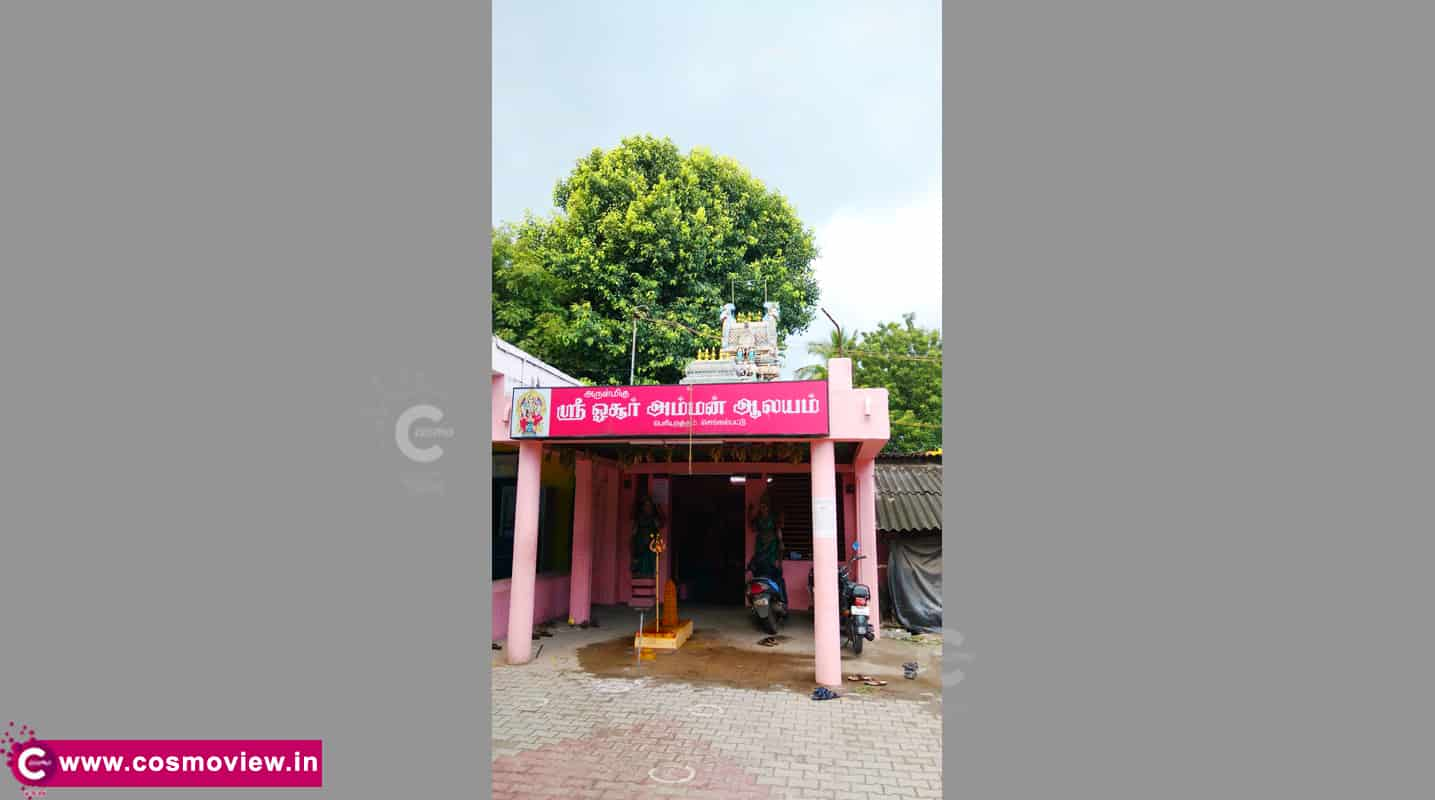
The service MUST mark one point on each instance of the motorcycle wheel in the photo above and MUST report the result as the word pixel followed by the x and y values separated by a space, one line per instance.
pixel 769 623
pixel 857 645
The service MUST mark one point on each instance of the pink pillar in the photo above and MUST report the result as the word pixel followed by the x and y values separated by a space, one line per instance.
pixel 824 561
pixel 525 553
pixel 867 534
pixel 580 577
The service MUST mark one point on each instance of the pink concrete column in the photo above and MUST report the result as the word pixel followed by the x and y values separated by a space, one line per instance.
pixel 826 634
pixel 580 576
pixel 867 534
pixel 525 553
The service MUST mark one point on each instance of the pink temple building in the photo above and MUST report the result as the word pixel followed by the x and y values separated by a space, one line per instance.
pixel 704 451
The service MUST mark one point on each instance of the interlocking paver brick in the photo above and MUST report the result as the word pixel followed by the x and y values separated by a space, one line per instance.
pixel 559 732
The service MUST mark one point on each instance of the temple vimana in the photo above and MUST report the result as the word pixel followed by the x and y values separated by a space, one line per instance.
pixel 748 353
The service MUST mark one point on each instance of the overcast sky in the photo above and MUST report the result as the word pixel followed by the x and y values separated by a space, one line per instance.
pixel 836 105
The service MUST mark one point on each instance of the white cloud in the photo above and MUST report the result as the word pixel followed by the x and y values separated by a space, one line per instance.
pixel 876 265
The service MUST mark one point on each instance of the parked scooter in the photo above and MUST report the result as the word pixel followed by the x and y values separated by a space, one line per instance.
pixel 853 605
pixel 767 601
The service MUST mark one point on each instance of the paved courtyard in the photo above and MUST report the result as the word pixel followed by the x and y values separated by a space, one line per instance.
pixel 723 718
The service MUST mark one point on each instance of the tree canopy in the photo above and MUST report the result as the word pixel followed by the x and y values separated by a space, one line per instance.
pixel 644 231
pixel 906 359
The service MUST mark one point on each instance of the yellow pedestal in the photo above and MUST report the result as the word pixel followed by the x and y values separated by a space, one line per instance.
pixel 666 637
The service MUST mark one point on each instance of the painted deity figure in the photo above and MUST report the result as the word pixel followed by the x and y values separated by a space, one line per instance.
pixel 530 412
pixel 647 526
pixel 767 544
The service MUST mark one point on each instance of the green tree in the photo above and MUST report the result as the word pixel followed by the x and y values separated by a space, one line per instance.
pixel 837 343
pixel 906 359
pixel 643 230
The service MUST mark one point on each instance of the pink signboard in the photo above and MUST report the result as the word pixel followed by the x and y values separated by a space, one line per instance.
pixel 775 408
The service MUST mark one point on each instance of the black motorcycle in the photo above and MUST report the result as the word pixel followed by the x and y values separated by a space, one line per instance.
pixel 853 604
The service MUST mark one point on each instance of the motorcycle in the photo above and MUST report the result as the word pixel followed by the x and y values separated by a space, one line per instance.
pixel 853 604
pixel 767 601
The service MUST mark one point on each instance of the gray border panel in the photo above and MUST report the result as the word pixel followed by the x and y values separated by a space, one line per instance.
pixel 1190 398
pixel 236 240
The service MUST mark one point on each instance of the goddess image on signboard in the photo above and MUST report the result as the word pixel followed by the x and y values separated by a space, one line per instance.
pixel 530 413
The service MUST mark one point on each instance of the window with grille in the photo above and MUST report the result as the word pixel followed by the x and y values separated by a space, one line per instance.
pixel 791 498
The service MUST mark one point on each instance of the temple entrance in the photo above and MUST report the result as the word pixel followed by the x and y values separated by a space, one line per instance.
pixel 708 538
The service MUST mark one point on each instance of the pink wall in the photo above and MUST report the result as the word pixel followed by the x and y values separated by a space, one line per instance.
pixel 550 601
pixel 857 415
pixel 795 572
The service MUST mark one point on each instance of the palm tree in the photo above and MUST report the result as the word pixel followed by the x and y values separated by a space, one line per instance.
pixel 837 345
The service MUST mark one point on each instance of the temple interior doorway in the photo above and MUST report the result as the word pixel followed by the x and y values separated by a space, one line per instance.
pixel 709 538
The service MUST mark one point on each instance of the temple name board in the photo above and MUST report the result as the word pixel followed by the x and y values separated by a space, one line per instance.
pixel 773 408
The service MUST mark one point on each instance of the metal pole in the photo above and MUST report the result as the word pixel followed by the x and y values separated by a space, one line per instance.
pixel 841 343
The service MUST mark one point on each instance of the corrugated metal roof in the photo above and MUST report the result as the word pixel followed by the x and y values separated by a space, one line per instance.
pixel 909 497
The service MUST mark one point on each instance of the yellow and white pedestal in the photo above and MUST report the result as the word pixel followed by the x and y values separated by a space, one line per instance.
pixel 663 637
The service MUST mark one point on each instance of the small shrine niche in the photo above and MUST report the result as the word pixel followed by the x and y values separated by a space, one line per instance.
pixel 748 352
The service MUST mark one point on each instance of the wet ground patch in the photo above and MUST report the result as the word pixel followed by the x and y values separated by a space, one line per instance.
pixel 710 659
